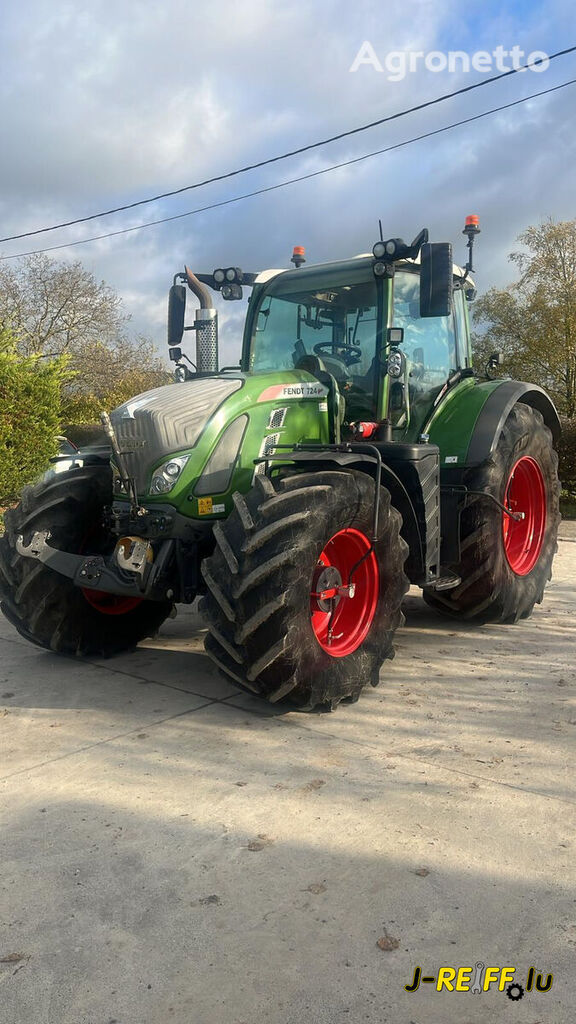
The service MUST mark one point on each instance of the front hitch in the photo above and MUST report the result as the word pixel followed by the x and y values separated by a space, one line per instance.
pixel 128 572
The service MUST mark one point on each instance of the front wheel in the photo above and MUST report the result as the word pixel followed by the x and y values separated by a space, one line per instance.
pixel 44 606
pixel 506 562
pixel 300 605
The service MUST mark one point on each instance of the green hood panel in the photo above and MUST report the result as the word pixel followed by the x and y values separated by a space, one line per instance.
pixel 215 415
pixel 167 420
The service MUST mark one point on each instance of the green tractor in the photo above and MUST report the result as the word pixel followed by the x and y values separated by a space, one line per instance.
pixel 353 452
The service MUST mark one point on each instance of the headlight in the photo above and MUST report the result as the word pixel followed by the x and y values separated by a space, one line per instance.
pixel 160 485
pixel 395 364
pixel 166 476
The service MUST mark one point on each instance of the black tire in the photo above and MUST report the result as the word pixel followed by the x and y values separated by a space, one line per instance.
pixel 491 590
pixel 259 582
pixel 45 607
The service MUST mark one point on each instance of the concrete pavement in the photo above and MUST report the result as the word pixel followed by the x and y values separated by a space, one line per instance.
pixel 177 851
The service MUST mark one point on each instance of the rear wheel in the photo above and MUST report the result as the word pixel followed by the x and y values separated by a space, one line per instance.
pixel 300 605
pixel 506 563
pixel 46 607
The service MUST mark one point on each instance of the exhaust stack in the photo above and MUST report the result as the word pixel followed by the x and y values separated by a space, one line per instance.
pixel 205 325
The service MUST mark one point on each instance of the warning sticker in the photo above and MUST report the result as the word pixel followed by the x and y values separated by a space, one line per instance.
pixel 206 507
pixel 299 389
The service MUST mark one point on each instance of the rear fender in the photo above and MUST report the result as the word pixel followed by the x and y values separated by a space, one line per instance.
pixel 467 430
pixel 466 425
pixel 496 410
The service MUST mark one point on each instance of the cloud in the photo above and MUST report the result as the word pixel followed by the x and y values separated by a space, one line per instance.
pixel 105 105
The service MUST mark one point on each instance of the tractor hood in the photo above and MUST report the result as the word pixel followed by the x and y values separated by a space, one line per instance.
pixel 167 419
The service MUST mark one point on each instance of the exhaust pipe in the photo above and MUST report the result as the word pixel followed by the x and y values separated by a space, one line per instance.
pixel 205 325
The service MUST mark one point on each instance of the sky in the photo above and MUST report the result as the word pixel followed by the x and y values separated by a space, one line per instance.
pixel 106 103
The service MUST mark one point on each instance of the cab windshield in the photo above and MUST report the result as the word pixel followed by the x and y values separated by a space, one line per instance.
pixel 339 317
pixel 331 315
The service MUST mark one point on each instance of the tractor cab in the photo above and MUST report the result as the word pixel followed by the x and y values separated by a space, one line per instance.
pixel 362 332
pixel 383 333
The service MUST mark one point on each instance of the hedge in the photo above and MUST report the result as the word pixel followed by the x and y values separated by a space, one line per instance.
pixel 29 419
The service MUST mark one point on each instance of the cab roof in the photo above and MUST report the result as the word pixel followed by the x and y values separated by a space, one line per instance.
pixel 267 275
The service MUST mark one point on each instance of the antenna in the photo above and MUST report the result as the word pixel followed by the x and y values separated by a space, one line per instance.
pixel 380 226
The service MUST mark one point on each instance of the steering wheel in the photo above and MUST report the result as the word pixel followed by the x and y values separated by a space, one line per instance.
pixel 347 354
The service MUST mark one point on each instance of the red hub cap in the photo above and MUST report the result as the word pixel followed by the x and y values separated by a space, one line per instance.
pixel 342 608
pixel 525 495
pixel 110 604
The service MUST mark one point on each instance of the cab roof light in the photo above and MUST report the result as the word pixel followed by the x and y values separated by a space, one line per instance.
pixel 471 229
pixel 298 256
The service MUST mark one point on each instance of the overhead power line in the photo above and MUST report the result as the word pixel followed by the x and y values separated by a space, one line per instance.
pixel 290 153
pixel 293 181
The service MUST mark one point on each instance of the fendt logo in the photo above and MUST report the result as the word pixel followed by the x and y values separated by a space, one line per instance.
pixel 300 389
pixel 132 444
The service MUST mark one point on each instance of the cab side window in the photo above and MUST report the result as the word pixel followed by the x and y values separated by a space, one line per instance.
pixel 462 329
pixel 429 343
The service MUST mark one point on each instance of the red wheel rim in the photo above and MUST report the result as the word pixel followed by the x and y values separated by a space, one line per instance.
pixel 341 617
pixel 110 604
pixel 526 494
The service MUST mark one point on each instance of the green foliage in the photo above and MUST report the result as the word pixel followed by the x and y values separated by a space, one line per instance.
pixel 64 355
pixel 533 321
pixel 82 434
pixel 567 456
pixel 29 416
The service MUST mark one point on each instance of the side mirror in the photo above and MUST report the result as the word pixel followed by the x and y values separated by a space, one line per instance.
pixel 176 313
pixel 436 279
pixel 494 360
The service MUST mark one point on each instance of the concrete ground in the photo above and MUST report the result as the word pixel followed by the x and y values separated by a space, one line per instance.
pixel 176 851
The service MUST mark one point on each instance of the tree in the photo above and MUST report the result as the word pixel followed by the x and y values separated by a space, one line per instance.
pixel 50 306
pixel 53 308
pixel 103 376
pixel 29 415
pixel 533 321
